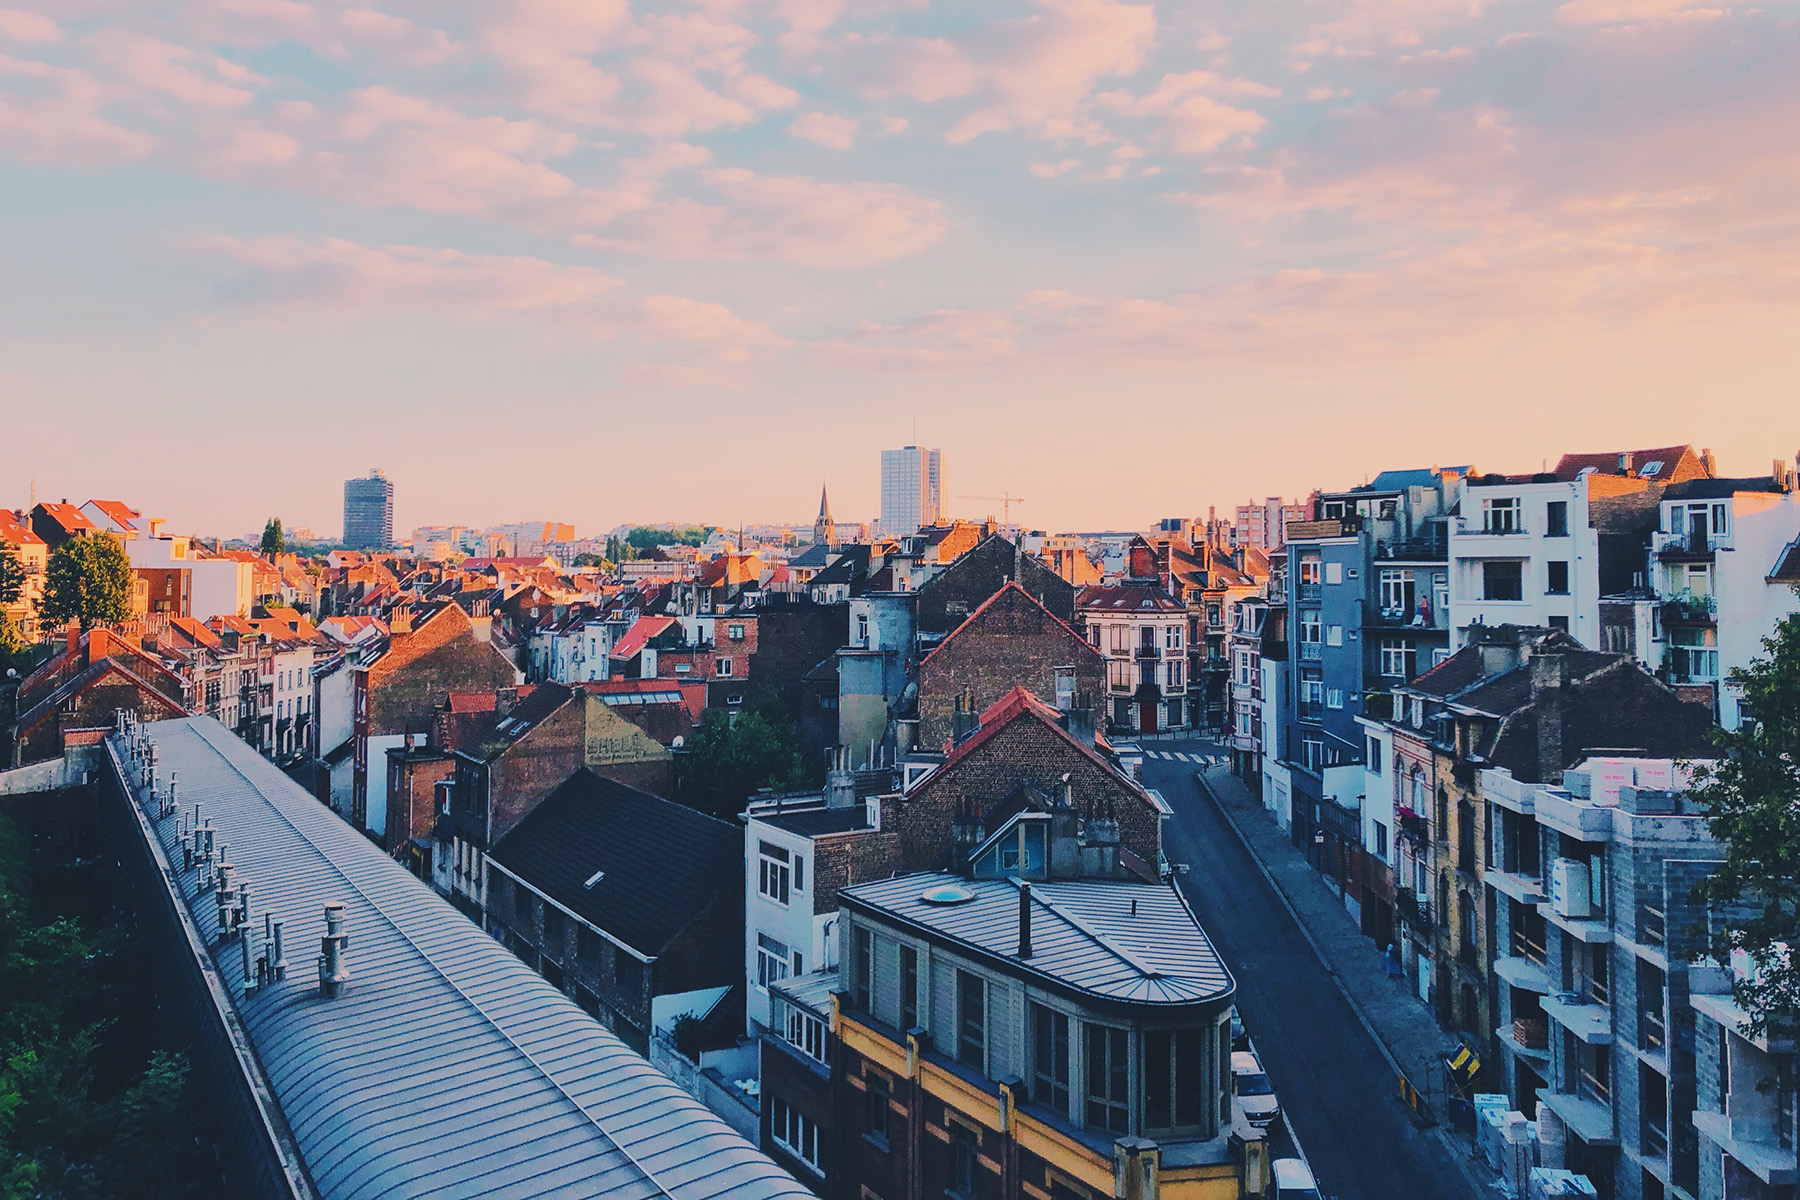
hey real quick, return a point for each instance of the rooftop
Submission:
(445, 1067)
(1106, 939)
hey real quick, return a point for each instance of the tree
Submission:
(725, 760)
(12, 574)
(88, 580)
(1752, 795)
(273, 542)
(593, 560)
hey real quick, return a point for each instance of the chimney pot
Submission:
(334, 972)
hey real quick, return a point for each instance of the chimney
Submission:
(505, 700)
(1024, 920)
(1080, 719)
(1709, 464)
(334, 971)
(1549, 675)
(964, 721)
(840, 780)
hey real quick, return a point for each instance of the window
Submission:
(799, 872)
(1174, 1078)
(1175, 674)
(1373, 758)
(1334, 572)
(1502, 580)
(1309, 574)
(771, 960)
(1118, 675)
(773, 874)
(1556, 518)
(1171, 637)
(1381, 839)
(1558, 582)
(1693, 654)
(1334, 697)
(862, 630)
(553, 929)
(1312, 751)
(628, 973)
(971, 1021)
(1050, 1057)
(587, 944)
(909, 987)
(1312, 688)
(1561, 623)
(1107, 1079)
(1121, 639)
(1398, 658)
(862, 968)
(735, 632)
(1334, 635)
(1396, 592)
(794, 1131)
(1501, 515)
(1244, 669)
(875, 1111)
(1312, 630)
(722, 666)
(963, 1151)
(806, 1032)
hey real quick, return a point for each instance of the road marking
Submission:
(1183, 757)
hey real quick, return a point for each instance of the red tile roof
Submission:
(480, 702)
(15, 532)
(639, 635)
(1011, 707)
(69, 517)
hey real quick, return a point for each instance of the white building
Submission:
(217, 587)
(1724, 560)
(790, 915)
(912, 490)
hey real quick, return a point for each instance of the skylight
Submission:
(596, 877)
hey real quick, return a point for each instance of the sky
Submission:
(608, 260)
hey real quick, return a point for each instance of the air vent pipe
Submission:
(334, 969)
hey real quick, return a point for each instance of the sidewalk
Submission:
(1399, 1021)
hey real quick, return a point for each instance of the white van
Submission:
(1255, 1094)
(1294, 1180)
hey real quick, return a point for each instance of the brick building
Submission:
(947, 598)
(617, 897)
(1010, 640)
(97, 675)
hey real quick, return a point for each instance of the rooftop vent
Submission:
(334, 971)
(944, 895)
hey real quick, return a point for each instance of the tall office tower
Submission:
(369, 512)
(912, 490)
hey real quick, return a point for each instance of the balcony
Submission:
(1654, 1139)
(1413, 911)
(1420, 549)
(1526, 889)
(1762, 1156)
(1690, 609)
(1147, 652)
(1524, 974)
(1312, 651)
(1591, 1023)
(1653, 1035)
(1694, 545)
(1588, 1118)
(1397, 618)
(1311, 591)
(1514, 1038)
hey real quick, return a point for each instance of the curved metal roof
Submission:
(445, 1067)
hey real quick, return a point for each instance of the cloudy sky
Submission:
(604, 260)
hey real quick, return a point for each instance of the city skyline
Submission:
(1441, 230)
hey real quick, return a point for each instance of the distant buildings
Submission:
(1264, 525)
(369, 512)
(912, 490)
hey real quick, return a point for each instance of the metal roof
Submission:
(1112, 939)
(445, 1067)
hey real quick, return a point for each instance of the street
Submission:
(1336, 1089)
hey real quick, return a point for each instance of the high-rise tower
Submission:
(912, 490)
(369, 512)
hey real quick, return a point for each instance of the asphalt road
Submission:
(1336, 1089)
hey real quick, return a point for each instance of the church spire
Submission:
(824, 529)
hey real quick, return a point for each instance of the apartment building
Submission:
(1725, 560)
(1598, 961)
(1142, 631)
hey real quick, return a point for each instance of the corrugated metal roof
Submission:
(1114, 939)
(445, 1067)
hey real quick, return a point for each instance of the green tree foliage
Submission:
(273, 540)
(87, 1111)
(593, 560)
(88, 580)
(725, 760)
(644, 537)
(1752, 795)
(12, 574)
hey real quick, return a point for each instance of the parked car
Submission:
(1255, 1094)
(1294, 1180)
(1240, 1040)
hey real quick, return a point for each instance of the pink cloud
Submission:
(148, 66)
(333, 29)
(1635, 12)
(1194, 122)
(51, 114)
(19, 26)
(837, 133)
(812, 222)
(1035, 74)
(335, 275)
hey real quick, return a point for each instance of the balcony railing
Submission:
(1690, 609)
(1312, 651)
(1148, 652)
(1652, 1033)
(1656, 1137)
(1651, 926)
(1311, 591)
(1590, 1086)
(1523, 947)
(1412, 909)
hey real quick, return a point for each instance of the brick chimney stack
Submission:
(1549, 678)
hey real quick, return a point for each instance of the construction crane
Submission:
(1007, 500)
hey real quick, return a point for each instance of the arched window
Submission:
(1443, 812)
(1418, 791)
